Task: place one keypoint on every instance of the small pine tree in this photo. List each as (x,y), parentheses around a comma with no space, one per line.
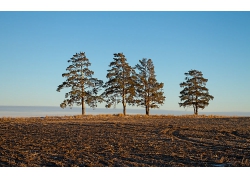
(84,88)
(120,85)
(149,91)
(195,93)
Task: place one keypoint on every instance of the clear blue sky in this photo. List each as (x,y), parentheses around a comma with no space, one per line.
(35,47)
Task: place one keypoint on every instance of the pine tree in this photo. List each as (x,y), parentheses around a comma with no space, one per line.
(195,93)
(120,85)
(149,91)
(84,88)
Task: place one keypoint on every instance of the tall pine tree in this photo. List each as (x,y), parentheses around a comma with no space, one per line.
(194,92)
(120,85)
(149,91)
(84,88)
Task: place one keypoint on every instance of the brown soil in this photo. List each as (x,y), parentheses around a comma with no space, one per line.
(108,140)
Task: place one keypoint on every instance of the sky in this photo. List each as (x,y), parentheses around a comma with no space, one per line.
(35,47)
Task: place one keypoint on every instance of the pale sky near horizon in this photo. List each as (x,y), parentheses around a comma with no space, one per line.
(35,47)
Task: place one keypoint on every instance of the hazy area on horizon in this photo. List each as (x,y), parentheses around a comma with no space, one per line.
(42,111)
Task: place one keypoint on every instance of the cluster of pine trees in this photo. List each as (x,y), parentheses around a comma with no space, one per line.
(127,85)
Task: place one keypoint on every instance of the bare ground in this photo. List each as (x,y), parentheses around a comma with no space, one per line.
(108,140)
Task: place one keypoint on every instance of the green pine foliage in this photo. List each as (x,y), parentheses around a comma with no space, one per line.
(194,92)
(149,92)
(84,88)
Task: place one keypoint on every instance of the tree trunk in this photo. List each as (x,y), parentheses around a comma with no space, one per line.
(124,106)
(196,109)
(83,107)
(194,106)
(147,110)
(124,110)
(147,102)
(123,101)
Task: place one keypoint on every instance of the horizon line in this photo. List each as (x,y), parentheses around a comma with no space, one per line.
(136,108)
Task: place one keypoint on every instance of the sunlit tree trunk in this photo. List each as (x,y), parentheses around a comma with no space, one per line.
(147,110)
(124,103)
(83,106)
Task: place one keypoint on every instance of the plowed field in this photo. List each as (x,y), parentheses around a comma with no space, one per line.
(110,140)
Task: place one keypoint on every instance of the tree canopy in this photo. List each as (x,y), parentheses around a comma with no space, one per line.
(84,88)
(149,92)
(194,92)
(120,85)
